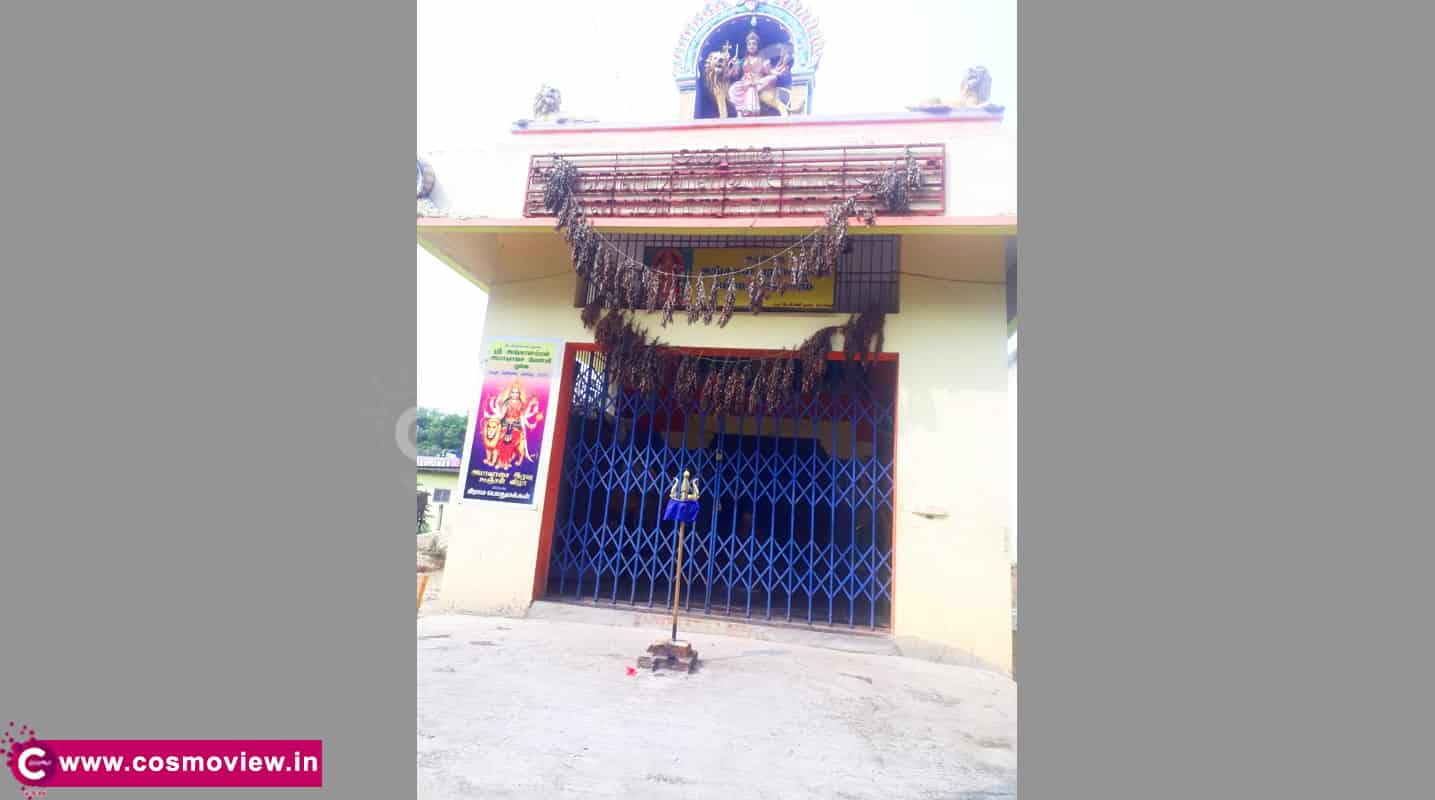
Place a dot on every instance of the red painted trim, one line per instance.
(555, 472)
(918, 117)
(896, 482)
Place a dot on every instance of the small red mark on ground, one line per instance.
(632, 671)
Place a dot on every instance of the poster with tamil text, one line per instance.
(506, 451)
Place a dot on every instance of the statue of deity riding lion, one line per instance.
(749, 82)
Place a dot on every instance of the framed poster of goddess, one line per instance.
(514, 407)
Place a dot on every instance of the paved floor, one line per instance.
(542, 708)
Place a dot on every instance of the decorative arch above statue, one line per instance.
(719, 75)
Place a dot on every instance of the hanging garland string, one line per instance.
(732, 385)
(816, 253)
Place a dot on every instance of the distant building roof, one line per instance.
(448, 463)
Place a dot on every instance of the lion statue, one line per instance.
(715, 75)
(975, 92)
(976, 88)
(547, 102)
(547, 108)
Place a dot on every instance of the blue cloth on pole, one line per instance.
(681, 510)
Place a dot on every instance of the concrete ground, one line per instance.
(545, 708)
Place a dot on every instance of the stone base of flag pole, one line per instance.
(674, 656)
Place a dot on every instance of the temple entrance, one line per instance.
(795, 523)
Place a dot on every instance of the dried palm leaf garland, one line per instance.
(636, 360)
(648, 366)
(651, 290)
(819, 257)
(695, 298)
(756, 390)
(634, 282)
(669, 302)
(712, 392)
(757, 291)
(710, 303)
(728, 302)
(789, 376)
(781, 279)
(685, 382)
(591, 313)
(735, 394)
(813, 354)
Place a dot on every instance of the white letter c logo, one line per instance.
(23, 763)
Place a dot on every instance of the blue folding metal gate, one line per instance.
(796, 514)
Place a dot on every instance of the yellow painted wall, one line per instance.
(952, 575)
(439, 480)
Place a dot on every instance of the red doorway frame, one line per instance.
(560, 437)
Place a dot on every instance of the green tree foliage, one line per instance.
(439, 432)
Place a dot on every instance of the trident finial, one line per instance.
(685, 488)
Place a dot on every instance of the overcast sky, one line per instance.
(480, 63)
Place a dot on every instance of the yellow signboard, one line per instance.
(817, 294)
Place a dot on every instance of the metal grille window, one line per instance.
(738, 182)
(796, 514)
(866, 274)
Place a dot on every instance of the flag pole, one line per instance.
(684, 495)
(678, 579)
(682, 508)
